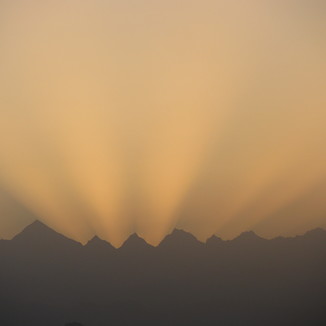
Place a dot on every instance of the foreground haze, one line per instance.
(125, 116)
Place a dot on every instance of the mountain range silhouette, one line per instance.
(48, 279)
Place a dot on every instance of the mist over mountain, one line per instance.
(48, 279)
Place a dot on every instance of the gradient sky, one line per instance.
(124, 116)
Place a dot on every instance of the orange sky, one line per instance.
(120, 116)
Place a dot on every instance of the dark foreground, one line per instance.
(49, 280)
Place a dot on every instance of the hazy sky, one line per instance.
(119, 116)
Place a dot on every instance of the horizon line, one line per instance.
(169, 234)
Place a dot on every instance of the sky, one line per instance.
(124, 116)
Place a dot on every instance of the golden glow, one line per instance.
(123, 116)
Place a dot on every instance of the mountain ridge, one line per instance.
(48, 279)
(37, 232)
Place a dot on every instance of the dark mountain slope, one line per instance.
(47, 279)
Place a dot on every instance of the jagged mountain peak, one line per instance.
(180, 239)
(135, 243)
(181, 234)
(39, 233)
(97, 242)
(37, 226)
(36, 229)
(214, 240)
(247, 236)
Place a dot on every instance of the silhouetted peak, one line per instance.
(38, 233)
(36, 229)
(37, 226)
(178, 233)
(97, 243)
(95, 240)
(181, 235)
(135, 243)
(214, 241)
(248, 236)
(135, 238)
(180, 239)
